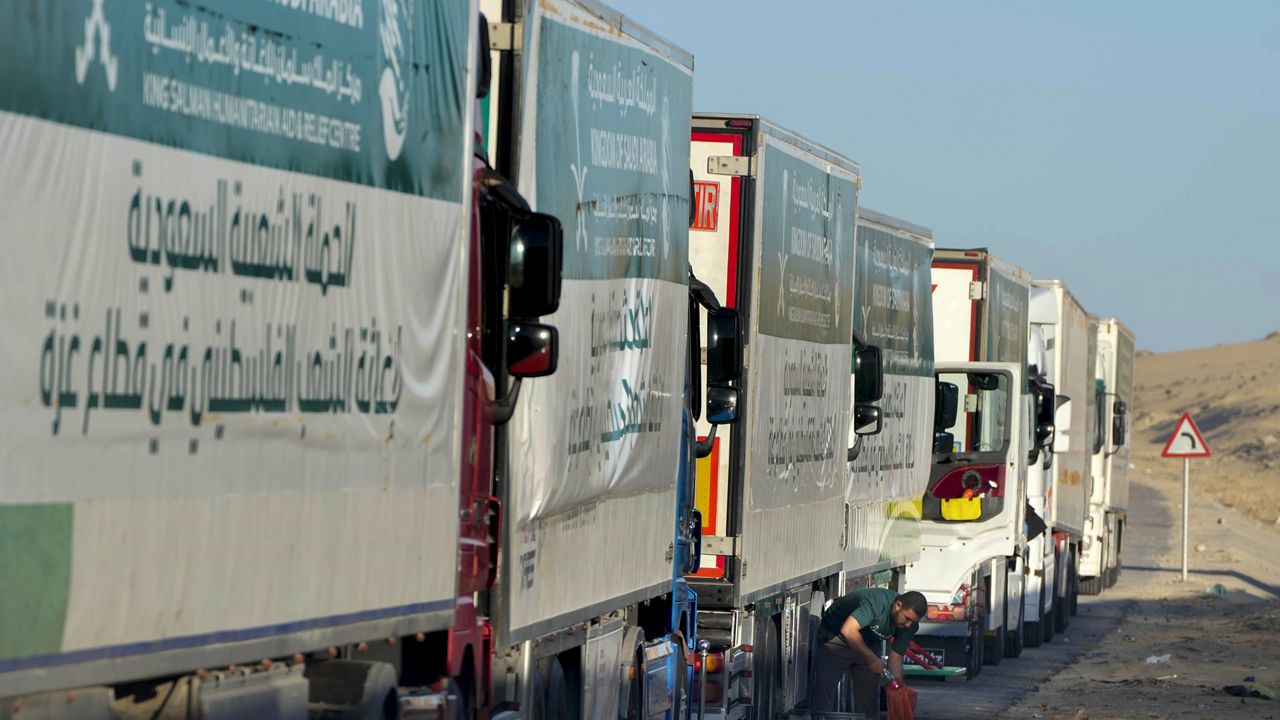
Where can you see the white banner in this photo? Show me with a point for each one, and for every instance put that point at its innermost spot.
(243, 383)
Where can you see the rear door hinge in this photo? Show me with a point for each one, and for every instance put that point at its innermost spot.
(977, 290)
(506, 36)
(720, 545)
(735, 165)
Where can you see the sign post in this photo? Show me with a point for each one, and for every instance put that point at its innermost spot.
(1186, 442)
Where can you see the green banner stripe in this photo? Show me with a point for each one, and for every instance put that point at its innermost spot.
(894, 300)
(613, 155)
(807, 248)
(35, 577)
(371, 93)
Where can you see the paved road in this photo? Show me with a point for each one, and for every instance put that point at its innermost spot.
(999, 687)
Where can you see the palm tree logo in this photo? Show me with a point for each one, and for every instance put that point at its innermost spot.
(578, 170)
(96, 24)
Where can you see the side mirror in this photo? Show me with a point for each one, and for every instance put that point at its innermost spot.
(868, 369)
(943, 441)
(1047, 404)
(1120, 408)
(532, 349)
(1045, 434)
(1117, 430)
(722, 404)
(484, 65)
(946, 404)
(693, 197)
(724, 347)
(536, 261)
(867, 419)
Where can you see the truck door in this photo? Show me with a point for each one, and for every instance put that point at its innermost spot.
(714, 242)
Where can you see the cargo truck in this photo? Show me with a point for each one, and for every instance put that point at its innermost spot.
(261, 309)
(591, 614)
(1062, 498)
(773, 235)
(973, 558)
(1113, 384)
(894, 312)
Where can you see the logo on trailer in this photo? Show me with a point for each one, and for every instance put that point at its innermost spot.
(393, 89)
(96, 27)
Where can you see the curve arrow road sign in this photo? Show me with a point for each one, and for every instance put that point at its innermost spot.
(1186, 440)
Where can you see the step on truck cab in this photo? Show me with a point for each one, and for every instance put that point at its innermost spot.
(1062, 499)
(773, 236)
(973, 556)
(591, 613)
(1113, 386)
(271, 360)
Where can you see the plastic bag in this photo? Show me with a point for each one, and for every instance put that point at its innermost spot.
(901, 701)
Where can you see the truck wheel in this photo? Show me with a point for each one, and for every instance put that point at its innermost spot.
(1014, 630)
(1091, 585)
(1050, 624)
(1063, 610)
(1073, 597)
(973, 662)
(765, 661)
(1034, 631)
(464, 708)
(557, 699)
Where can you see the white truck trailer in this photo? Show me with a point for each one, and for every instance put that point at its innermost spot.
(1061, 498)
(591, 115)
(1109, 501)
(894, 312)
(253, 284)
(973, 560)
(773, 235)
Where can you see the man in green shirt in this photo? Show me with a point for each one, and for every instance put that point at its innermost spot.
(849, 640)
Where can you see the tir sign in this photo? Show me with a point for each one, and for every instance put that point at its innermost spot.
(706, 198)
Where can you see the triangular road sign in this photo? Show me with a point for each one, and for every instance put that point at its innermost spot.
(1186, 440)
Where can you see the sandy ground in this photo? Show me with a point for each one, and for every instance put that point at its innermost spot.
(1212, 640)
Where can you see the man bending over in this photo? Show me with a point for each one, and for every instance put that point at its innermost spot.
(851, 632)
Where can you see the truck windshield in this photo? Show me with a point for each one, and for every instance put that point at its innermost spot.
(982, 419)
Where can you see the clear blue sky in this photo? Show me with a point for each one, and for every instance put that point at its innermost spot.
(1131, 149)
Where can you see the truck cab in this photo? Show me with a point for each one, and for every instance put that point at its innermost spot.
(973, 566)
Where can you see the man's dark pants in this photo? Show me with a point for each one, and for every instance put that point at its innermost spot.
(832, 659)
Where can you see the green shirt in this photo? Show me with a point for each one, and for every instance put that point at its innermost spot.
(871, 608)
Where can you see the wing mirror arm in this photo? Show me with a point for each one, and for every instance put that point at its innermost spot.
(500, 411)
(855, 450)
(703, 447)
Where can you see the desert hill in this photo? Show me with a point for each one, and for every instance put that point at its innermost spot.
(1233, 394)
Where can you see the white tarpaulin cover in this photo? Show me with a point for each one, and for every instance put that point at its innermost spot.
(232, 299)
(595, 448)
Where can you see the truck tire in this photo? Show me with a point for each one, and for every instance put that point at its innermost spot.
(1050, 624)
(766, 661)
(973, 661)
(1091, 585)
(1062, 608)
(555, 694)
(1033, 632)
(1014, 631)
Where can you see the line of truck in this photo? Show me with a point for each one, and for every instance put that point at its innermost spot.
(437, 359)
